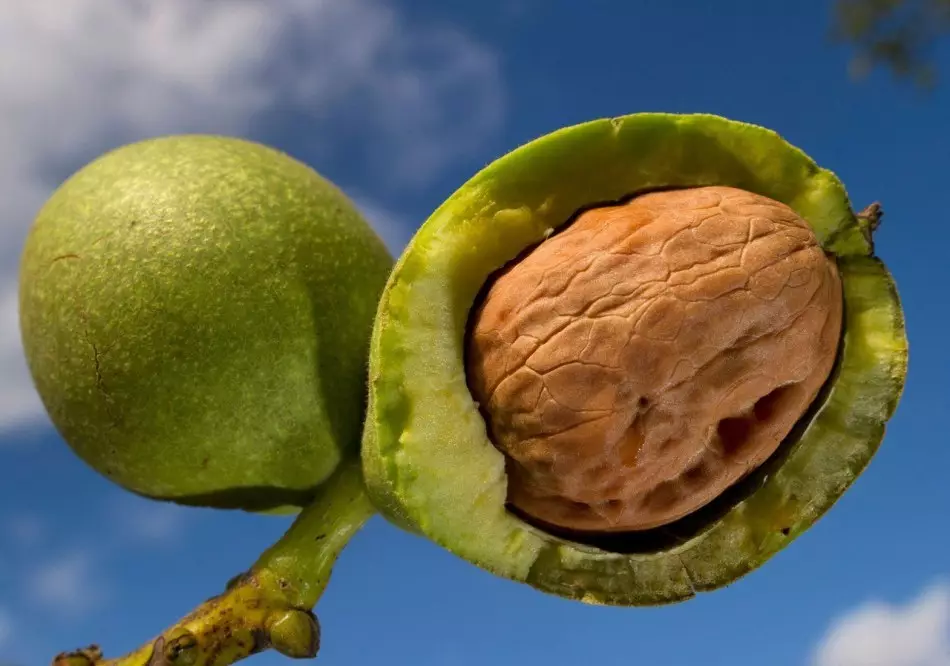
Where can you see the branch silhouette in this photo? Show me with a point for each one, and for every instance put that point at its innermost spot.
(898, 35)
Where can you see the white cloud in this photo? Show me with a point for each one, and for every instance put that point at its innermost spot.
(152, 521)
(66, 584)
(80, 77)
(19, 402)
(881, 634)
(394, 232)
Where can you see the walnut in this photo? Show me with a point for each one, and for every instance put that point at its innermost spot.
(638, 363)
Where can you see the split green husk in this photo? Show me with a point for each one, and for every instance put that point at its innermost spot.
(423, 421)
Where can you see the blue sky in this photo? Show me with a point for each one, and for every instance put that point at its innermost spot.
(399, 103)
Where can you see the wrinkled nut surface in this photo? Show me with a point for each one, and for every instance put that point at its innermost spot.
(647, 357)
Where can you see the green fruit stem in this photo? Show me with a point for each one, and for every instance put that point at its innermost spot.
(269, 606)
(304, 556)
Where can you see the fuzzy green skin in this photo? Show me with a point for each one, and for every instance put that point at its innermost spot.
(422, 421)
(196, 313)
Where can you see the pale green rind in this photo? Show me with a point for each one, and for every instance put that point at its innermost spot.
(196, 312)
(427, 459)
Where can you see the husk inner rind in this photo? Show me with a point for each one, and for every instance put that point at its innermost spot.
(427, 457)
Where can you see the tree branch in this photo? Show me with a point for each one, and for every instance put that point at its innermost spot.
(270, 606)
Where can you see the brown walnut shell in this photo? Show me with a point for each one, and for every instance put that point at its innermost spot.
(638, 363)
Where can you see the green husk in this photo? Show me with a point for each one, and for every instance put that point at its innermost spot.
(427, 459)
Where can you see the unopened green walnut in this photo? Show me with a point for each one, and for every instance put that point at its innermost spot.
(196, 312)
